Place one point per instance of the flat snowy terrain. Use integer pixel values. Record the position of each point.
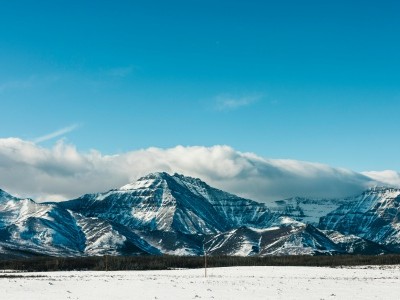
(366, 282)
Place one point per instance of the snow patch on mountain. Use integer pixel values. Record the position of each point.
(174, 214)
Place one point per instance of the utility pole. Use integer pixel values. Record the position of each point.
(205, 261)
(205, 255)
(106, 263)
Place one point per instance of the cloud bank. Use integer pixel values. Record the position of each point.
(62, 172)
(391, 178)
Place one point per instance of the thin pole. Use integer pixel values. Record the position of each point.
(205, 261)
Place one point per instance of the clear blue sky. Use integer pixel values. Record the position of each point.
(308, 80)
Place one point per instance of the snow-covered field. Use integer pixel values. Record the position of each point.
(367, 282)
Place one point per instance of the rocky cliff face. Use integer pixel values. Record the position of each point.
(374, 215)
(307, 210)
(30, 229)
(175, 214)
(177, 203)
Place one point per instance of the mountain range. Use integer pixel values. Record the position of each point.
(179, 215)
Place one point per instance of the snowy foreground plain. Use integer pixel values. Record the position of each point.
(363, 282)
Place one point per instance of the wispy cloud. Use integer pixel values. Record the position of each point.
(57, 133)
(228, 102)
(28, 82)
(16, 84)
(120, 71)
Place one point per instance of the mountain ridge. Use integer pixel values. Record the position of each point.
(174, 214)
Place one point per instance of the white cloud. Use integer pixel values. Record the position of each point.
(390, 177)
(227, 102)
(62, 172)
(56, 133)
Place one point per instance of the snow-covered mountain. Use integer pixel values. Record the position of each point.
(307, 210)
(42, 228)
(175, 214)
(176, 203)
(285, 237)
(49, 229)
(374, 215)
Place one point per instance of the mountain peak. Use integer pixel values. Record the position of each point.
(146, 181)
(172, 214)
(187, 178)
(155, 178)
(157, 175)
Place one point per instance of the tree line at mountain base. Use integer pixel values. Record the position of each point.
(167, 262)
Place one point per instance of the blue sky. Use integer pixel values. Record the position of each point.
(307, 80)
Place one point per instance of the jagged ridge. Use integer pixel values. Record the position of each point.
(374, 216)
(175, 214)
